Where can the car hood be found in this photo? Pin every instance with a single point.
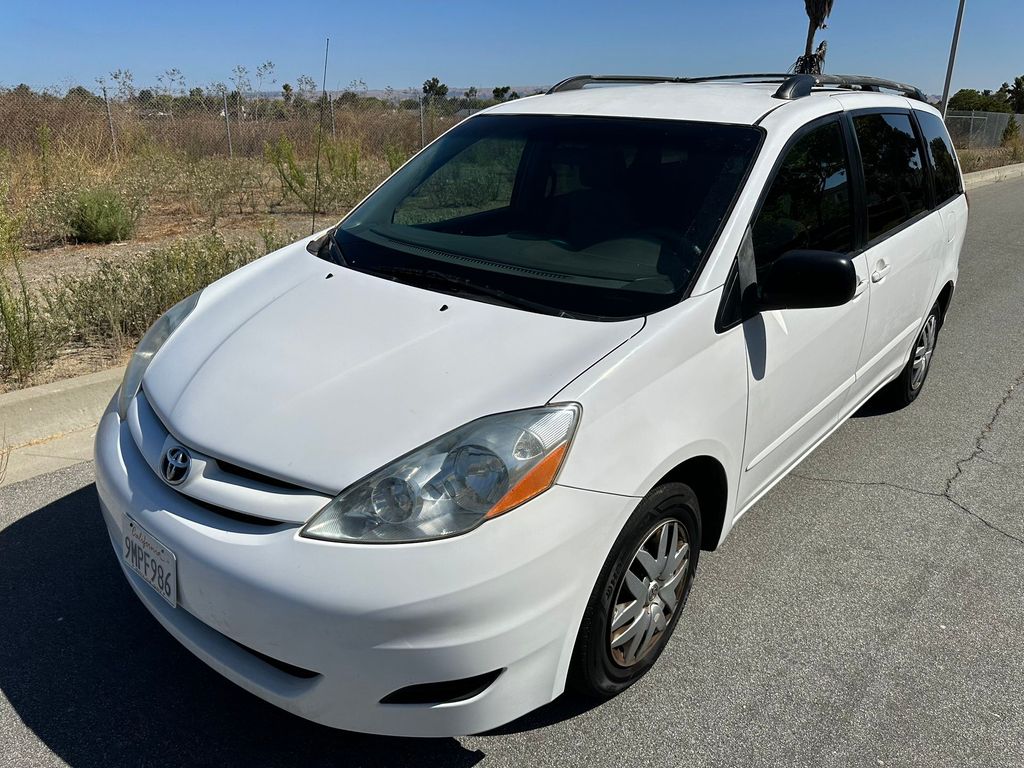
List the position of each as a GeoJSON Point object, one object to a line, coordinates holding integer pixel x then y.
{"type": "Point", "coordinates": [318, 375]}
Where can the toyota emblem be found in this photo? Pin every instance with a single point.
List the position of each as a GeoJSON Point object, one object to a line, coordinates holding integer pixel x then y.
{"type": "Point", "coordinates": [176, 465]}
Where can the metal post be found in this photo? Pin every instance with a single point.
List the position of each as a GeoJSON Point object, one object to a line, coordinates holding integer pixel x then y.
{"type": "Point", "coordinates": [423, 135]}
{"type": "Point", "coordinates": [952, 57]}
{"type": "Point", "coordinates": [227, 124]}
{"type": "Point", "coordinates": [110, 122]}
{"type": "Point", "coordinates": [334, 126]}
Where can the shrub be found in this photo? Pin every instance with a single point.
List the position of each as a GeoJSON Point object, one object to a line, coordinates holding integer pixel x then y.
{"type": "Point", "coordinates": [101, 215]}
{"type": "Point", "coordinates": [345, 176]}
{"type": "Point", "coordinates": [395, 156]}
{"type": "Point", "coordinates": [27, 342]}
{"type": "Point", "coordinates": [1011, 135]}
{"type": "Point", "coordinates": [116, 303]}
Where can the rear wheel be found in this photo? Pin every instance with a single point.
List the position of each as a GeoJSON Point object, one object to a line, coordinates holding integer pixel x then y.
{"type": "Point", "coordinates": [640, 593]}
{"type": "Point", "coordinates": [905, 389]}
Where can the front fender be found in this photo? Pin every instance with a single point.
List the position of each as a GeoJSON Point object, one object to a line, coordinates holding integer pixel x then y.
{"type": "Point", "coordinates": [675, 391]}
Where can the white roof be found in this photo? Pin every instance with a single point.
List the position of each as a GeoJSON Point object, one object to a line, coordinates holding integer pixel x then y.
{"type": "Point", "coordinates": [738, 103]}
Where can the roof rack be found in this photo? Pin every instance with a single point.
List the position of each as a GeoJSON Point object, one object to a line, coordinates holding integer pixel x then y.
{"type": "Point", "coordinates": [798, 86]}
{"type": "Point", "coordinates": [791, 86]}
{"type": "Point", "coordinates": [578, 82]}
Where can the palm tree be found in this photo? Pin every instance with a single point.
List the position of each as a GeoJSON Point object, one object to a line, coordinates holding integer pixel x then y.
{"type": "Point", "coordinates": [817, 14]}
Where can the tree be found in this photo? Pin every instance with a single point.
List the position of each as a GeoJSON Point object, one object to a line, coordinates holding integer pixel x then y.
{"type": "Point", "coordinates": [434, 90]}
{"type": "Point", "coordinates": [240, 77]}
{"type": "Point", "coordinates": [264, 72]}
{"type": "Point", "coordinates": [1015, 95]}
{"type": "Point", "coordinates": [971, 100]}
{"type": "Point", "coordinates": [307, 86]}
{"type": "Point", "coordinates": [171, 83]}
{"type": "Point", "coordinates": [125, 84]}
{"type": "Point", "coordinates": [471, 93]}
{"type": "Point", "coordinates": [80, 93]}
{"type": "Point", "coordinates": [146, 97]}
{"type": "Point", "coordinates": [286, 93]}
{"type": "Point", "coordinates": [501, 93]}
{"type": "Point", "coordinates": [818, 12]}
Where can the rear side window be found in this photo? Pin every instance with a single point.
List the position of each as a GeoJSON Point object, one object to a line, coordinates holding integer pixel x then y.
{"type": "Point", "coordinates": [943, 159]}
{"type": "Point", "coordinates": [808, 205]}
{"type": "Point", "coordinates": [893, 171]}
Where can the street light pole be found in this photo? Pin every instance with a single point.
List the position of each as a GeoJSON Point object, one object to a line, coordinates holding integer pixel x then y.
{"type": "Point", "coordinates": [952, 57]}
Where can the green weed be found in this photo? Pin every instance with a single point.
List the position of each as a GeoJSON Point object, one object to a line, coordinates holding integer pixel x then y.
{"type": "Point", "coordinates": [101, 215]}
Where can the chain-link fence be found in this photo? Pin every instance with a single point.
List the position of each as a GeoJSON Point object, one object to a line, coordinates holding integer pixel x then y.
{"type": "Point", "coordinates": [207, 153]}
{"type": "Point", "coordinates": [217, 122]}
{"type": "Point", "coordinates": [202, 155]}
{"type": "Point", "coordinates": [980, 130]}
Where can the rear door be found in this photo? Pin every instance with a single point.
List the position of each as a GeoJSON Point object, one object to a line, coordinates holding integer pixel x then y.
{"type": "Point", "coordinates": [905, 240]}
{"type": "Point", "coordinates": [801, 362]}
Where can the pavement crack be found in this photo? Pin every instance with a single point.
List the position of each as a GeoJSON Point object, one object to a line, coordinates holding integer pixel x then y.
{"type": "Point", "coordinates": [917, 491]}
{"type": "Point", "coordinates": [979, 447]}
{"type": "Point", "coordinates": [982, 520]}
{"type": "Point", "coordinates": [977, 452]}
{"type": "Point", "coordinates": [868, 483]}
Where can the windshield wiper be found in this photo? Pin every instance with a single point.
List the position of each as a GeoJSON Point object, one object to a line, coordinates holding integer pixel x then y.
{"type": "Point", "coordinates": [326, 247]}
{"type": "Point", "coordinates": [462, 285]}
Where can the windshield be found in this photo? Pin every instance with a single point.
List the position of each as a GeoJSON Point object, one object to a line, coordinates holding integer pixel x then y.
{"type": "Point", "coordinates": [594, 217]}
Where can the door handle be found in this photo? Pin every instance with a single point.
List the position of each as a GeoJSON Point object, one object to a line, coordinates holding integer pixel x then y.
{"type": "Point", "coordinates": [879, 274]}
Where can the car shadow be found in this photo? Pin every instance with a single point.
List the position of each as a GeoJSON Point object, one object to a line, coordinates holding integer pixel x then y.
{"type": "Point", "coordinates": [94, 676]}
{"type": "Point", "coordinates": [879, 405]}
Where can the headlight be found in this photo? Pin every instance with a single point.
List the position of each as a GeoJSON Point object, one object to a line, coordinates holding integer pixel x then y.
{"type": "Point", "coordinates": [454, 483]}
{"type": "Point", "coordinates": [155, 338]}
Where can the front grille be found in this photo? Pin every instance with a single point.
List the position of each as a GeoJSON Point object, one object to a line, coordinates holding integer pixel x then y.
{"type": "Point", "coordinates": [229, 490]}
{"type": "Point", "coordinates": [231, 514]}
{"type": "Point", "coordinates": [248, 474]}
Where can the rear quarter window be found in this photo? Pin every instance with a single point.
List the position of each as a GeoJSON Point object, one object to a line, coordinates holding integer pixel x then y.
{"type": "Point", "coordinates": [941, 156]}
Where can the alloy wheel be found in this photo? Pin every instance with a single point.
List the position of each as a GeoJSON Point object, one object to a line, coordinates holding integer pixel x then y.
{"type": "Point", "coordinates": [924, 347]}
{"type": "Point", "coordinates": [650, 592]}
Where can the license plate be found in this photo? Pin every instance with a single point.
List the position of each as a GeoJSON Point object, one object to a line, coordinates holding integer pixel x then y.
{"type": "Point", "coordinates": [154, 562]}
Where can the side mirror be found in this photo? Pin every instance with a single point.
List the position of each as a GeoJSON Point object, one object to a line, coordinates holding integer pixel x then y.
{"type": "Point", "coordinates": [807, 279]}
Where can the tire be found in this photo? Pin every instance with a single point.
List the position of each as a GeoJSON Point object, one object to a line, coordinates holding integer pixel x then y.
{"type": "Point", "coordinates": [599, 670]}
{"type": "Point", "coordinates": [905, 388]}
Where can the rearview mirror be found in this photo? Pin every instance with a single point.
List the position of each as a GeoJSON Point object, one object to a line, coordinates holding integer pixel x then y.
{"type": "Point", "coordinates": [807, 279]}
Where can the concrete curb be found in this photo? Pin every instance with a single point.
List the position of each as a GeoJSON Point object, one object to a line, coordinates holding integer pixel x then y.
{"type": "Point", "coordinates": [41, 413]}
{"type": "Point", "coordinates": [993, 175]}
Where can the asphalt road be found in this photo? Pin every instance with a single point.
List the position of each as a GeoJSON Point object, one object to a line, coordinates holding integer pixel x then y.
{"type": "Point", "coordinates": [869, 611]}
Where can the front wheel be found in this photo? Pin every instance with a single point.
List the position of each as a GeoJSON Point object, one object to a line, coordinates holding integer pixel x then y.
{"type": "Point", "coordinates": [640, 593]}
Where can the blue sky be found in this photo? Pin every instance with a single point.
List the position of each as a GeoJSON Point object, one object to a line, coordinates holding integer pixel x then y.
{"type": "Point", "coordinates": [485, 43]}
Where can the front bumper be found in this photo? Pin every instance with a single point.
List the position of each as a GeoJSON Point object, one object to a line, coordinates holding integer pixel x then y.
{"type": "Point", "coordinates": [371, 619]}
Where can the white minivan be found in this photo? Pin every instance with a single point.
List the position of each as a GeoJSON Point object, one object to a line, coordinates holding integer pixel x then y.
{"type": "Point", "coordinates": [417, 474]}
